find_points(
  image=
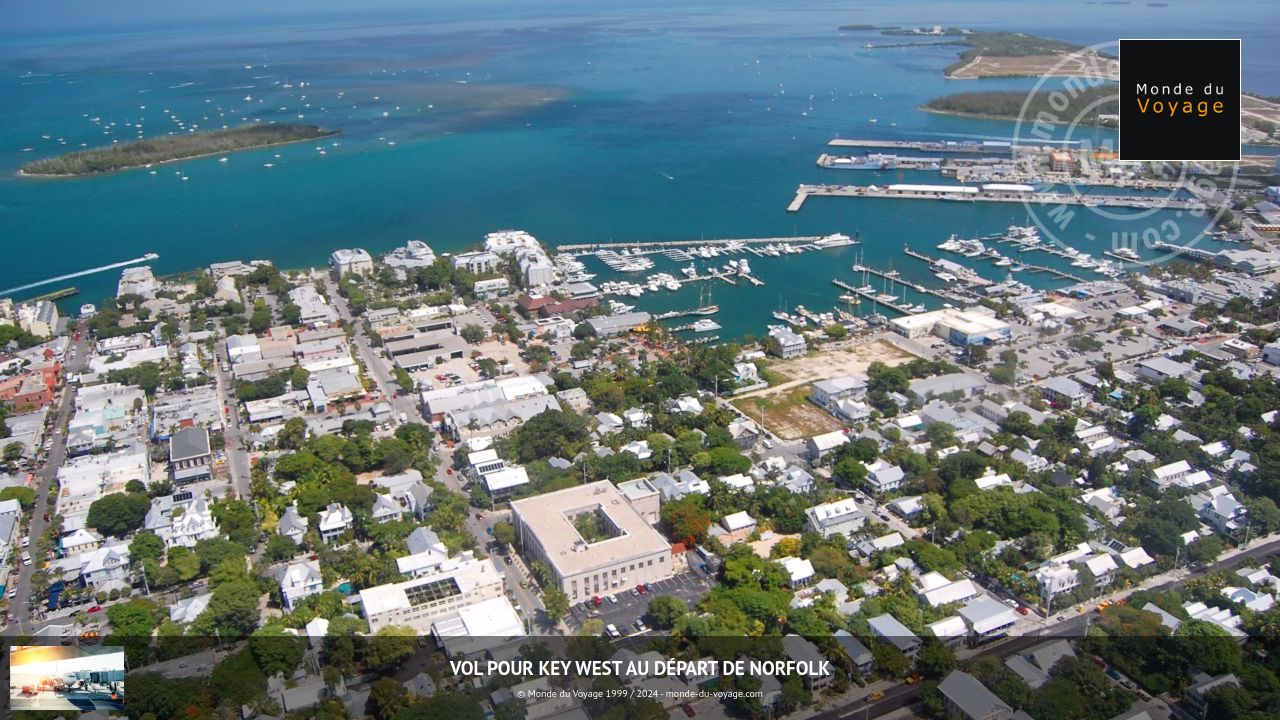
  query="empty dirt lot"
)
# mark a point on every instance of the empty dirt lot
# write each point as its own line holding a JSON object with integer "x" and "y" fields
{"x": 787, "y": 410}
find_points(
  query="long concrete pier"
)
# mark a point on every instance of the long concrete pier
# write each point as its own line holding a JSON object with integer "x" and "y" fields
{"x": 804, "y": 192}
{"x": 659, "y": 245}
{"x": 964, "y": 146}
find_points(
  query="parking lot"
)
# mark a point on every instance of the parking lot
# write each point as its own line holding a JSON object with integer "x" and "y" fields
{"x": 631, "y": 605}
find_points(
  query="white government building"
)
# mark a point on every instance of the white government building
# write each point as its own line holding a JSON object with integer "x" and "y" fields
{"x": 631, "y": 554}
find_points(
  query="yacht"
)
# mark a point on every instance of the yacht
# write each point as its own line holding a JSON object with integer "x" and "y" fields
{"x": 835, "y": 240}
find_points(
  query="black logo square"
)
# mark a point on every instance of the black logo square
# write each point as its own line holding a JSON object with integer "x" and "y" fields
{"x": 1180, "y": 100}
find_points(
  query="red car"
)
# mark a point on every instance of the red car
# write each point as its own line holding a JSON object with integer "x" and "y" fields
{"x": 641, "y": 589}
{"x": 1022, "y": 609}
{"x": 597, "y": 601}
{"x": 95, "y": 608}
{"x": 688, "y": 710}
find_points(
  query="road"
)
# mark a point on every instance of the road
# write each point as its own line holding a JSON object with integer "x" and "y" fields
{"x": 232, "y": 432}
{"x": 20, "y": 605}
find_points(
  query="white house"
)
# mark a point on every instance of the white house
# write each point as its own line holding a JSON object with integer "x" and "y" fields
{"x": 842, "y": 517}
{"x": 298, "y": 581}
{"x": 292, "y": 525}
{"x": 883, "y": 477}
{"x": 334, "y": 520}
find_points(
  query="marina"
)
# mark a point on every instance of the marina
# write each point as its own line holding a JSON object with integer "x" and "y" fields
{"x": 949, "y": 146}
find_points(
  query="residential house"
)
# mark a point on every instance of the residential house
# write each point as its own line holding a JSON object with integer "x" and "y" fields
{"x": 965, "y": 698}
{"x": 862, "y": 658}
{"x": 842, "y": 517}
{"x": 887, "y": 628}
{"x": 801, "y": 650}
{"x": 819, "y": 447}
{"x": 1063, "y": 392}
{"x": 181, "y": 519}
{"x": 1219, "y": 508}
{"x": 883, "y": 477}
{"x": 987, "y": 618}
{"x": 292, "y": 525}
{"x": 335, "y": 519}
{"x": 788, "y": 344}
{"x": 299, "y": 581}
{"x": 828, "y": 393}
{"x": 1035, "y": 664}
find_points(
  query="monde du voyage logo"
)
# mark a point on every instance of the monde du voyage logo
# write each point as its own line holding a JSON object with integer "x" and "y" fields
{"x": 1180, "y": 100}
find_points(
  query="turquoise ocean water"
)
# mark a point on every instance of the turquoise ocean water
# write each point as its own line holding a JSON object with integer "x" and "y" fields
{"x": 580, "y": 123}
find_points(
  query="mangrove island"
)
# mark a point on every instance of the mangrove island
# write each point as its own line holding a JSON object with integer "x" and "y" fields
{"x": 169, "y": 148}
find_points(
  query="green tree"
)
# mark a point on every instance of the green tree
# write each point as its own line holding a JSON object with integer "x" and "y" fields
{"x": 146, "y": 545}
{"x": 280, "y": 547}
{"x": 389, "y": 647}
{"x": 504, "y": 532}
{"x": 276, "y": 651}
{"x": 472, "y": 333}
{"x": 665, "y": 611}
{"x": 936, "y": 660}
{"x": 118, "y": 514}
{"x": 25, "y": 496}
{"x": 556, "y": 603}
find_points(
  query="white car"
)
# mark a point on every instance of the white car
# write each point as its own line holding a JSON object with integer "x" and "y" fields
{"x": 613, "y": 630}
{"x": 26, "y": 542}
{"x": 26, "y": 559}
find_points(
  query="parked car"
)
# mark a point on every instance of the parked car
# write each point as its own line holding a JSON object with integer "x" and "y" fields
{"x": 95, "y": 608}
{"x": 598, "y": 602}
{"x": 613, "y": 599}
{"x": 688, "y": 710}
{"x": 612, "y": 630}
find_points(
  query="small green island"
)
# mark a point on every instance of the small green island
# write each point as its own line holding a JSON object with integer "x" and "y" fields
{"x": 1008, "y": 104}
{"x": 170, "y": 148}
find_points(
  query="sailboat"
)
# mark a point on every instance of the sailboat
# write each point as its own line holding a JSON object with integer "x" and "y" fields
{"x": 704, "y": 308}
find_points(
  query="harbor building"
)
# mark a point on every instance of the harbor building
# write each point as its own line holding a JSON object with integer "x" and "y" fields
{"x": 959, "y": 327}
{"x": 592, "y": 539}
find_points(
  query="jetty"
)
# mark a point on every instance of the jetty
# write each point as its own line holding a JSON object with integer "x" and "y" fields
{"x": 987, "y": 147}
{"x": 992, "y": 192}
{"x": 948, "y": 295}
{"x": 899, "y": 307}
{"x": 660, "y": 246}
{"x": 888, "y": 162}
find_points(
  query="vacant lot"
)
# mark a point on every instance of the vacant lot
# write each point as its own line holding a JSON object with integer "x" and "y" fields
{"x": 787, "y": 410}
{"x": 789, "y": 414}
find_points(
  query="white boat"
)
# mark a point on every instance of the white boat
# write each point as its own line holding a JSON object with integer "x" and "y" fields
{"x": 672, "y": 285}
{"x": 945, "y": 277}
{"x": 87, "y": 310}
{"x": 743, "y": 267}
{"x": 705, "y": 325}
{"x": 834, "y": 240}
{"x": 1004, "y": 262}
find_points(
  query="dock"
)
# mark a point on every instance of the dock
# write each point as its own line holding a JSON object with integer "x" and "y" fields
{"x": 873, "y": 297}
{"x": 1032, "y": 267}
{"x": 948, "y": 295}
{"x": 646, "y": 247}
{"x": 57, "y": 294}
{"x": 970, "y": 194}
{"x": 963, "y": 146}
{"x": 671, "y": 314}
{"x": 891, "y": 162}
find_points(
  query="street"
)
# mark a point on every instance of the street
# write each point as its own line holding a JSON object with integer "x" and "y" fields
{"x": 45, "y": 475}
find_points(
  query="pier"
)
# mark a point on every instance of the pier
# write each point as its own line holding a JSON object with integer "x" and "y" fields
{"x": 1032, "y": 267}
{"x": 658, "y": 246}
{"x": 968, "y": 193}
{"x": 873, "y": 297}
{"x": 948, "y": 295}
{"x": 965, "y": 146}
{"x": 890, "y": 162}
